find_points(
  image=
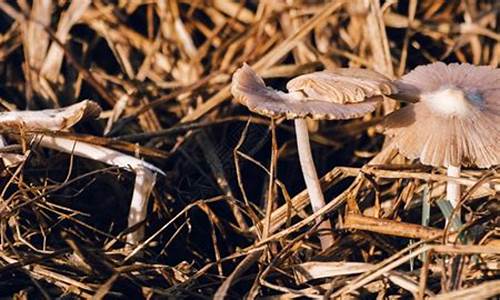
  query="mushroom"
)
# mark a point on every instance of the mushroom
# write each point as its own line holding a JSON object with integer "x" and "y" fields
{"x": 42, "y": 126}
{"x": 456, "y": 121}
{"x": 326, "y": 95}
{"x": 50, "y": 119}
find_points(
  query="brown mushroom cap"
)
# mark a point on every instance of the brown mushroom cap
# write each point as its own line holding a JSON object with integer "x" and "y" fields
{"x": 323, "y": 103}
{"x": 456, "y": 121}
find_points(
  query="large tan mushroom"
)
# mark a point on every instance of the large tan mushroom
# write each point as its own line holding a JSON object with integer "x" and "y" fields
{"x": 332, "y": 95}
{"x": 456, "y": 121}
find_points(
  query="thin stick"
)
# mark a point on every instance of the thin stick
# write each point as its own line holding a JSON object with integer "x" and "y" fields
{"x": 390, "y": 227}
{"x": 424, "y": 272}
{"x": 311, "y": 179}
{"x": 270, "y": 196}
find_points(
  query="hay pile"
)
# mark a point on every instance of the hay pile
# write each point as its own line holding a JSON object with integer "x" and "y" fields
{"x": 162, "y": 70}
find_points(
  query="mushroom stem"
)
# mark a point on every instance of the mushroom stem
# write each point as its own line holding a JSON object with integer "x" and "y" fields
{"x": 311, "y": 179}
{"x": 453, "y": 188}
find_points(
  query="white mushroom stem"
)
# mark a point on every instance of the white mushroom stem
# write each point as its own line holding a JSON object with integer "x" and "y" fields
{"x": 453, "y": 188}
{"x": 143, "y": 186}
{"x": 312, "y": 182}
{"x": 144, "y": 180}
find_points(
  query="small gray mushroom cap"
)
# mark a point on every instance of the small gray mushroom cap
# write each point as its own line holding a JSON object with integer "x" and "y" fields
{"x": 456, "y": 120}
{"x": 319, "y": 95}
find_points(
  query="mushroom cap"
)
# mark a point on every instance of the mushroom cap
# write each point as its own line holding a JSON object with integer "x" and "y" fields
{"x": 456, "y": 121}
{"x": 315, "y": 100}
{"x": 50, "y": 119}
{"x": 343, "y": 85}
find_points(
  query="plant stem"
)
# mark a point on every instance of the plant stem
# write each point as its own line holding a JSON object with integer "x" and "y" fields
{"x": 453, "y": 188}
{"x": 311, "y": 179}
{"x": 145, "y": 180}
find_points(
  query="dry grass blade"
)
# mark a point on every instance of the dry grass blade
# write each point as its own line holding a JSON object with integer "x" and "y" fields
{"x": 314, "y": 270}
{"x": 268, "y": 60}
{"x": 393, "y": 263}
{"x": 482, "y": 291}
{"x": 53, "y": 61}
{"x": 222, "y": 291}
{"x": 161, "y": 188}
{"x": 390, "y": 227}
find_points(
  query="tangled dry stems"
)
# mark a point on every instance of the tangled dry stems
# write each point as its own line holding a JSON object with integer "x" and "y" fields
{"x": 162, "y": 72}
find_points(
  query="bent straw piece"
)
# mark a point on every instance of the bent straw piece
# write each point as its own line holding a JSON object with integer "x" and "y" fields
{"x": 10, "y": 159}
{"x": 240, "y": 269}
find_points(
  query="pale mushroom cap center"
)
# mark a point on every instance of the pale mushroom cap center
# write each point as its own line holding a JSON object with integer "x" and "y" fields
{"x": 452, "y": 101}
